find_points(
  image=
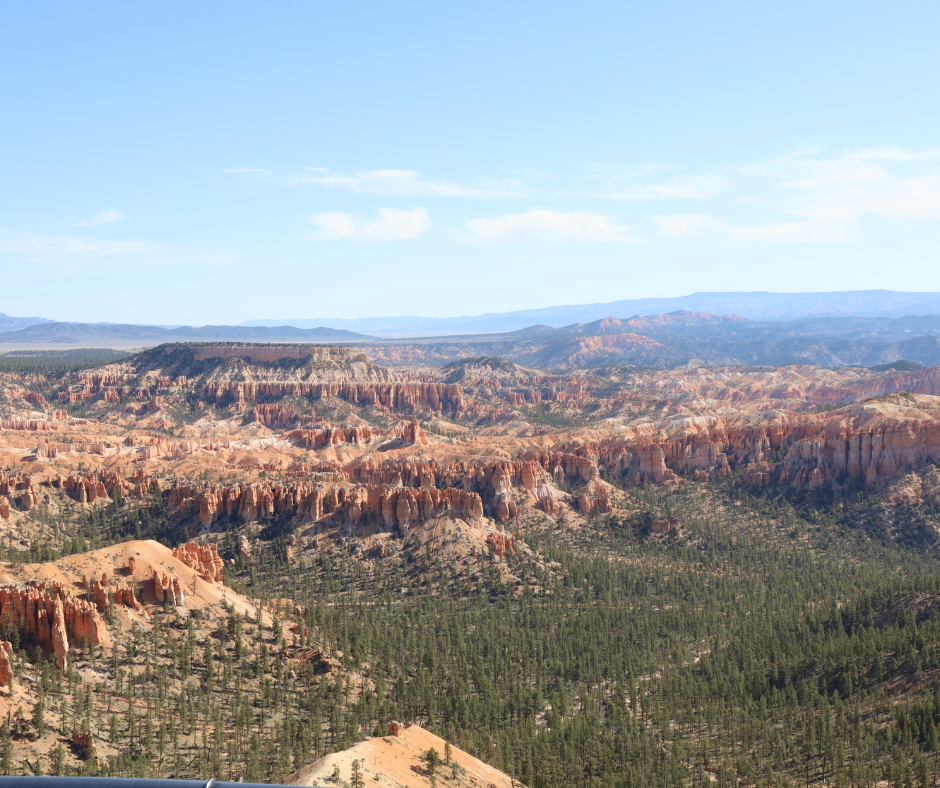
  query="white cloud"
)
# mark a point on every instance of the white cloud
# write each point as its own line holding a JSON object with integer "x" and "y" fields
{"x": 105, "y": 217}
{"x": 335, "y": 225}
{"x": 684, "y": 225}
{"x": 823, "y": 199}
{"x": 687, "y": 225}
{"x": 683, "y": 187}
{"x": 402, "y": 183}
{"x": 211, "y": 258}
{"x": 809, "y": 195}
{"x": 542, "y": 223}
{"x": 392, "y": 225}
{"x": 895, "y": 153}
{"x": 41, "y": 247}
{"x": 69, "y": 250}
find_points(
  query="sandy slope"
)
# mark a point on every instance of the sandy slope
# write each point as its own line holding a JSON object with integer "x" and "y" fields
{"x": 397, "y": 762}
{"x": 148, "y": 555}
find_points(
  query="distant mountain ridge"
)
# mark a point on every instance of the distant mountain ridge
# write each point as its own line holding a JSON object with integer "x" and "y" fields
{"x": 750, "y": 305}
{"x": 862, "y": 305}
{"x": 123, "y": 334}
{"x": 663, "y": 340}
{"x": 9, "y": 323}
{"x": 681, "y": 338}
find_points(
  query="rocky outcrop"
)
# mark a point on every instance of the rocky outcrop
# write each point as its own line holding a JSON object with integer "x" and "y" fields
{"x": 922, "y": 381}
{"x": 122, "y": 594}
{"x": 400, "y": 397}
{"x": 83, "y": 742}
{"x": 60, "y": 638}
{"x": 204, "y": 558}
{"x": 536, "y": 474}
{"x": 86, "y": 489}
{"x": 90, "y": 487}
{"x": 91, "y": 383}
{"x": 30, "y": 425}
{"x": 864, "y": 444}
{"x": 386, "y": 505}
{"x": 406, "y": 432}
{"x": 18, "y": 392}
{"x": 409, "y": 433}
{"x": 402, "y": 507}
{"x": 4, "y": 507}
{"x": 168, "y": 589}
{"x": 314, "y": 656}
{"x": 549, "y": 499}
{"x": 334, "y": 436}
{"x": 19, "y": 488}
{"x": 664, "y": 526}
{"x": 53, "y": 618}
{"x": 501, "y": 481}
{"x": 501, "y": 544}
{"x": 6, "y": 668}
{"x": 275, "y": 416}
{"x": 595, "y": 497}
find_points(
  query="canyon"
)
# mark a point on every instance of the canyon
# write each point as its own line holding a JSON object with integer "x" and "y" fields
{"x": 196, "y": 469}
{"x": 326, "y": 435}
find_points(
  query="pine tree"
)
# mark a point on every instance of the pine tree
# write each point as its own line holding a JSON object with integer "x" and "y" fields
{"x": 356, "y": 779}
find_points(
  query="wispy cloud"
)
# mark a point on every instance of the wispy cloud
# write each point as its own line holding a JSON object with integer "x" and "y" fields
{"x": 553, "y": 225}
{"x": 895, "y": 153}
{"x": 822, "y": 199}
{"x": 687, "y": 225}
{"x": 254, "y": 174}
{"x": 809, "y": 195}
{"x": 216, "y": 258}
{"x": 70, "y": 251}
{"x": 391, "y": 225}
{"x": 683, "y": 187}
{"x": 404, "y": 183}
{"x": 105, "y": 217}
{"x": 51, "y": 247}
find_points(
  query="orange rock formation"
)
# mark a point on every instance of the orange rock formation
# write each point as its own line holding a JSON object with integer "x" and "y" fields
{"x": 53, "y": 617}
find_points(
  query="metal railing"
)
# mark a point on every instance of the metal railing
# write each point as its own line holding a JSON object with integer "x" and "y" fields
{"x": 118, "y": 782}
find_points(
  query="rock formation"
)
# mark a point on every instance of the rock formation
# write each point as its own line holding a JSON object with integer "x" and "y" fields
{"x": 6, "y": 669}
{"x": 315, "y": 656}
{"x": 494, "y": 444}
{"x": 122, "y": 594}
{"x": 60, "y": 639}
{"x": 168, "y": 589}
{"x": 399, "y": 397}
{"x": 501, "y": 543}
{"x": 203, "y": 558}
{"x": 334, "y": 436}
{"x": 53, "y": 618}
{"x": 393, "y": 505}
{"x": 84, "y": 743}
{"x": 664, "y": 526}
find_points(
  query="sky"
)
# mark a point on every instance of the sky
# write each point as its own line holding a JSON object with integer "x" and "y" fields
{"x": 197, "y": 163}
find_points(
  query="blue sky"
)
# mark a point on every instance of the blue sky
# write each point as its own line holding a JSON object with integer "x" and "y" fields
{"x": 215, "y": 162}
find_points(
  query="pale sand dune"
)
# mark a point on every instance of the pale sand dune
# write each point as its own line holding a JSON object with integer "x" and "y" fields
{"x": 387, "y": 762}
